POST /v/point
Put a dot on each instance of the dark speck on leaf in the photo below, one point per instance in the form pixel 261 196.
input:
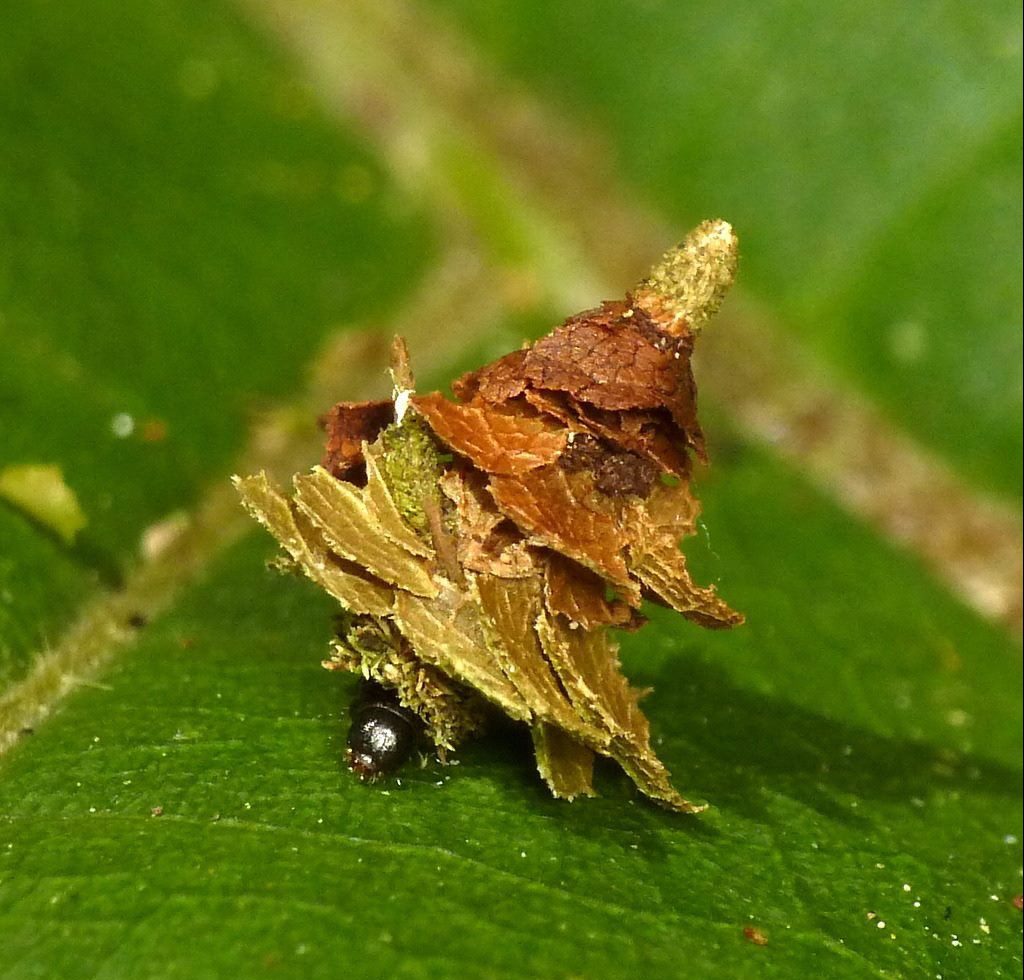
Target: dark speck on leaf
pixel 755 935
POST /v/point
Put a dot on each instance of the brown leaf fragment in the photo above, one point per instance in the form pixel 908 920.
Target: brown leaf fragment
pixel 487 540
pixel 466 488
pixel 650 433
pixel 446 632
pixel 347 583
pixel 498 382
pixel 643 323
pixel 556 403
pixel 348 426
pixel 475 514
pixel 401 370
pixel 566 764
pixel 597 358
pixel 587 664
pixel 341 515
pixel 655 558
pixel 509 612
pixel 559 510
pixel 616 359
pixel 507 440
pixel 580 595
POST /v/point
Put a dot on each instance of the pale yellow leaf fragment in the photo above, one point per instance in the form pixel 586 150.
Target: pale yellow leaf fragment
pixel 340 513
pixel 566 764
pixel 587 665
pixel 273 510
pixel 446 632
pixel 510 607
pixel 650 776
pixel 39 490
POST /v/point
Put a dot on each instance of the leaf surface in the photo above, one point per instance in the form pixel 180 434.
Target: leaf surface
pixel 181 229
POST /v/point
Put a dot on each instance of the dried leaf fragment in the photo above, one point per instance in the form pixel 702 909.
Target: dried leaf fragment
pixel 558 510
pixel 587 664
pixel 341 514
pixel 486 541
pixel 510 441
pixel 602 359
pixel 565 763
pixel 447 644
pixel 509 613
pixel 481 548
pixel 346 582
pixel 581 596
pixel 348 426
pixel 655 559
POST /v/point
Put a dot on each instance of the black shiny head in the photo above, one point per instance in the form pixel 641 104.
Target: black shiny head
pixel 383 733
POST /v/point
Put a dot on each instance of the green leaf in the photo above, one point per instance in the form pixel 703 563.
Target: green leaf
pixel 173 253
pixel 183 230
pixel 845 760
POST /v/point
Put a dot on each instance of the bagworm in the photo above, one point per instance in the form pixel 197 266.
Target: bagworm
pixel 483 548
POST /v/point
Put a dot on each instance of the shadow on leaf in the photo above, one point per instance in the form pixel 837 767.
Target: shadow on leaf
pixel 736 745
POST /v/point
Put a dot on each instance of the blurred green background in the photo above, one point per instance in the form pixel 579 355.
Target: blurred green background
pixel 198 199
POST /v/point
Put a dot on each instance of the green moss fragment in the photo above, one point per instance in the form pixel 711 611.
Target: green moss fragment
pixel 371 647
pixel 411 465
